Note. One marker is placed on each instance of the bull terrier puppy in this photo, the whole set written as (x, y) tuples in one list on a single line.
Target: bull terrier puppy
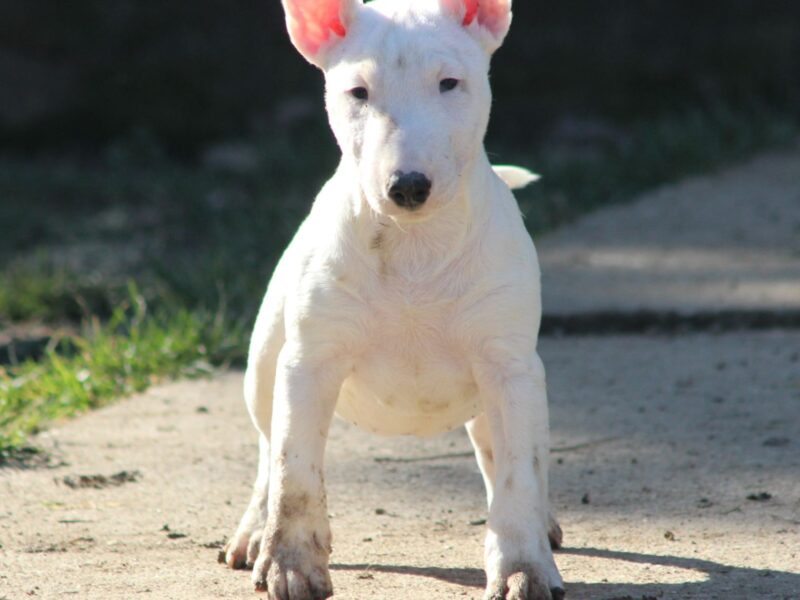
[(408, 302)]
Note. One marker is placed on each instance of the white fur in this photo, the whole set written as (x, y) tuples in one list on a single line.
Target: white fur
[(403, 322), (515, 177)]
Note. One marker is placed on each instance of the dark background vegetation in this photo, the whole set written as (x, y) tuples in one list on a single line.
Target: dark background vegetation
[(89, 71), (155, 158)]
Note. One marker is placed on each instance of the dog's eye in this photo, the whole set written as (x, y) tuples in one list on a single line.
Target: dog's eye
[(359, 93), (445, 85)]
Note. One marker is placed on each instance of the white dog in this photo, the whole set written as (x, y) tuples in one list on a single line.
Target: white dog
[(408, 301)]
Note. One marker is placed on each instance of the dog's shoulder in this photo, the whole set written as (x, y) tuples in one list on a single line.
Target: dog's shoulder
[(506, 240)]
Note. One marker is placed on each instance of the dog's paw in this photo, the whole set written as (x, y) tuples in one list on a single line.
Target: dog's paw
[(521, 567), (525, 582), (241, 551), (294, 568), (554, 533)]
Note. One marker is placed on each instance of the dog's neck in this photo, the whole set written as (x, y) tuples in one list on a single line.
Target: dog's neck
[(418, 250)]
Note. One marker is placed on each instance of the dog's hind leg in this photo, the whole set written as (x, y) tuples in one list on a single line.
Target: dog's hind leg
[(481, 438), (242, 549)]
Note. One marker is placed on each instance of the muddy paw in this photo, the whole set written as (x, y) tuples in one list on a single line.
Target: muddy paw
[(523, 584), (294, 570), (241, 551)]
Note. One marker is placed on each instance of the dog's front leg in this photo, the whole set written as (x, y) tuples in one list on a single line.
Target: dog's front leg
[(481, 437), (519, 561), (293, 559)]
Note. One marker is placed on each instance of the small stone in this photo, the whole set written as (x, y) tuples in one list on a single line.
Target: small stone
[(365, 575), (668, 535), (760, 497)]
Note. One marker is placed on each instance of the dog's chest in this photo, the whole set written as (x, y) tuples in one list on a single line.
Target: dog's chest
[(413, 374)]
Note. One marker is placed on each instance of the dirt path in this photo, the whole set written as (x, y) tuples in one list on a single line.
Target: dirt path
[(729, 241), (658, 444)]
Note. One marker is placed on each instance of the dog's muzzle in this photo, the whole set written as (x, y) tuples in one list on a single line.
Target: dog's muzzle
[(409, 190)]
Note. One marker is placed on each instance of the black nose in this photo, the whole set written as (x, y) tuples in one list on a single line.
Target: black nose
[(409, 190)]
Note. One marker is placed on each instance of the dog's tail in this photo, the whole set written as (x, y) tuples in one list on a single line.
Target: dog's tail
[(515, 177)]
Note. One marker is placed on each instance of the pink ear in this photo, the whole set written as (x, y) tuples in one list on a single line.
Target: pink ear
[(313, 24), (494, 16)]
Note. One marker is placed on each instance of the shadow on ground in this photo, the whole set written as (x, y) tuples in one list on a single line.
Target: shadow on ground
[(717, 576), (458, 576)]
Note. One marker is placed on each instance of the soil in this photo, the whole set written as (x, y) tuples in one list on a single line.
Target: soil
[(727, 242), (666, 476)]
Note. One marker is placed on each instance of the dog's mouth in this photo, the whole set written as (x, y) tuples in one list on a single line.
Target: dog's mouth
[(406, 214), (412, 210)]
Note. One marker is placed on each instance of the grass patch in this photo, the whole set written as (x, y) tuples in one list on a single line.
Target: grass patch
[(126, 354), (39, 290), (211, 238)]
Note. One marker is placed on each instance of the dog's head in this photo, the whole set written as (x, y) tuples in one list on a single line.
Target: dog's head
[(407, 90)]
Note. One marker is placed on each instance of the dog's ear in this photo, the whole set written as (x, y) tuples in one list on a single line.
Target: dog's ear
[(488, 20), (315, 26)]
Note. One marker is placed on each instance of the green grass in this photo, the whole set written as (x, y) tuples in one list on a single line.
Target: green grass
[(212, 239), (39, 290), (104, 361)]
